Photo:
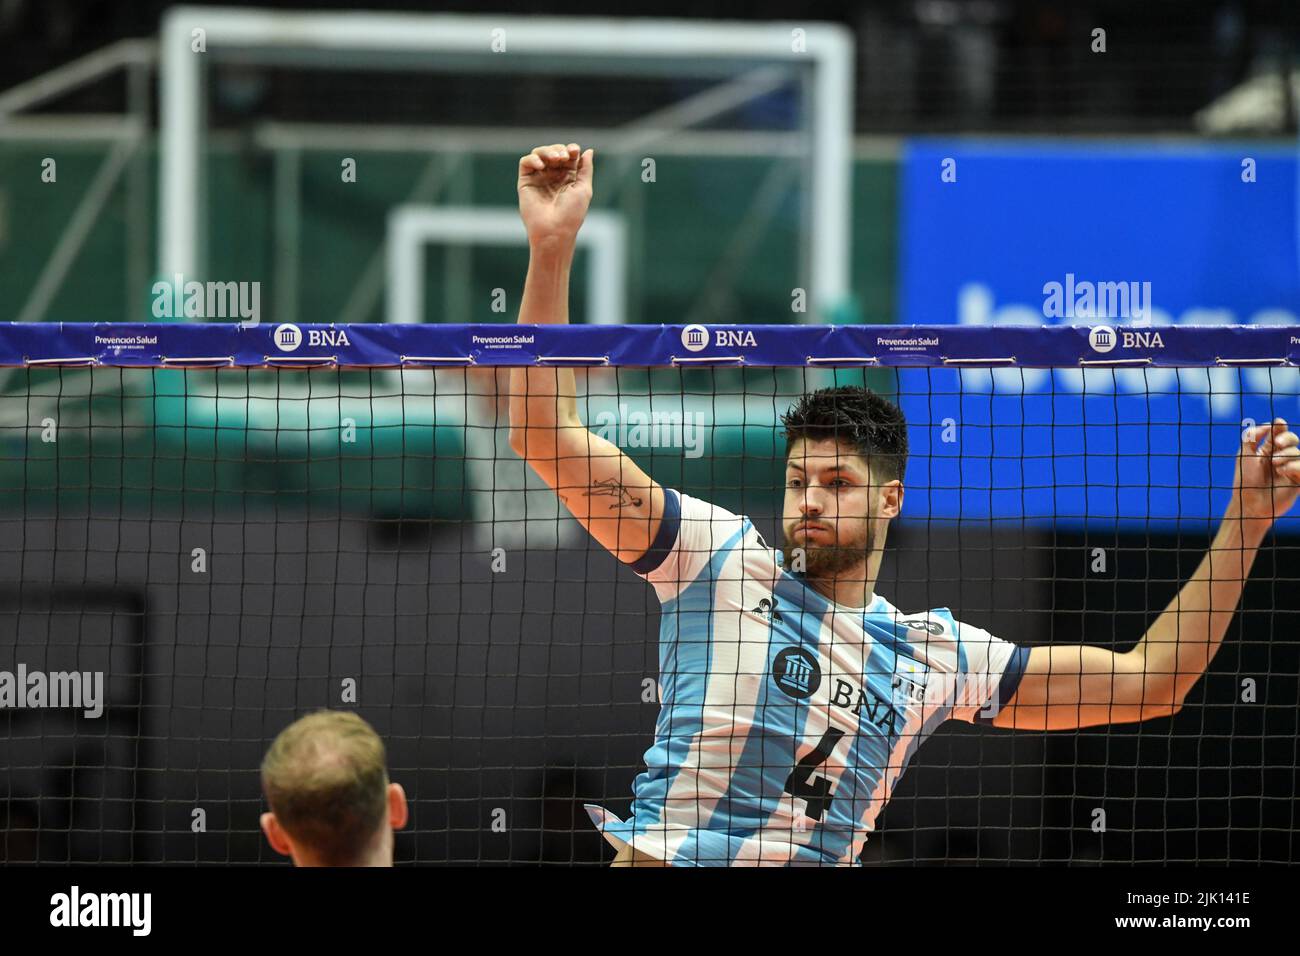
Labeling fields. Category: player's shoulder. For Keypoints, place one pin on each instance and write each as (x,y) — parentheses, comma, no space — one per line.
(711,525)
(695,508)
(945,624)
(935,623)
(699,510)
(968,641)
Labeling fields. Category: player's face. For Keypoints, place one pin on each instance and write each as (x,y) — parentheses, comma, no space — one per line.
(829,507)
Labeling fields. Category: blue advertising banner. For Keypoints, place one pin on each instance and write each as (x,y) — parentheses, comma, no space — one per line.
(1055,424)
(1133,243)
(1019,350)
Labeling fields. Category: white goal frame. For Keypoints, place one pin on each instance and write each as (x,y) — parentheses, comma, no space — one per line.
(413,226)
(664,46)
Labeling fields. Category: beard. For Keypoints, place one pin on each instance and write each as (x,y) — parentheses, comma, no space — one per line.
(832,560)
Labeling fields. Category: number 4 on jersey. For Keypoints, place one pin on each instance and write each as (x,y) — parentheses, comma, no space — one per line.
(804,783)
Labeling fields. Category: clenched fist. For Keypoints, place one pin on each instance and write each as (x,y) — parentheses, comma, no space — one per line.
(555,191)
(1268,475)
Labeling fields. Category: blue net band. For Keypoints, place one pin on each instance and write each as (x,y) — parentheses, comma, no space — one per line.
(395,346)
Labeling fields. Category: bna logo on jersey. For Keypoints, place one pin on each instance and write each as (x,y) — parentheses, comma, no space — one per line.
(287,337)
(931,627)
(796,673)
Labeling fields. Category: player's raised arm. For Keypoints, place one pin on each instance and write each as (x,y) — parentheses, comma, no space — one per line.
(1076,686)
(603,488)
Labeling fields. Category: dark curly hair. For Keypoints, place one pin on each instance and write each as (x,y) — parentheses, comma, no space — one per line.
(873,425)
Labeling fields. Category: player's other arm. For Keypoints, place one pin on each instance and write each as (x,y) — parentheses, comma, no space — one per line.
(1077,686)
(602,487)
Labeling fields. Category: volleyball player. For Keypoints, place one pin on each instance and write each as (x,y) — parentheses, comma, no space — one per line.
(326,781)
(792,694)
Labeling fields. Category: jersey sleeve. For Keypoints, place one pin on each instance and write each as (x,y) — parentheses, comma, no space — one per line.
(989,672)
(691,532)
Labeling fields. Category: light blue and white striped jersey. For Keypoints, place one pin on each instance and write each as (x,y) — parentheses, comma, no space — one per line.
(786,719)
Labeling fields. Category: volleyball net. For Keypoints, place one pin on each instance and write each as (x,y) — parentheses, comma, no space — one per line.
(207,531)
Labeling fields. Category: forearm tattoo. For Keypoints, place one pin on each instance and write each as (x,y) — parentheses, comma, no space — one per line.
(611,488)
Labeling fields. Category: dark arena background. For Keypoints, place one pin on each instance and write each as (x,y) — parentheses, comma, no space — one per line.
(237,537)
